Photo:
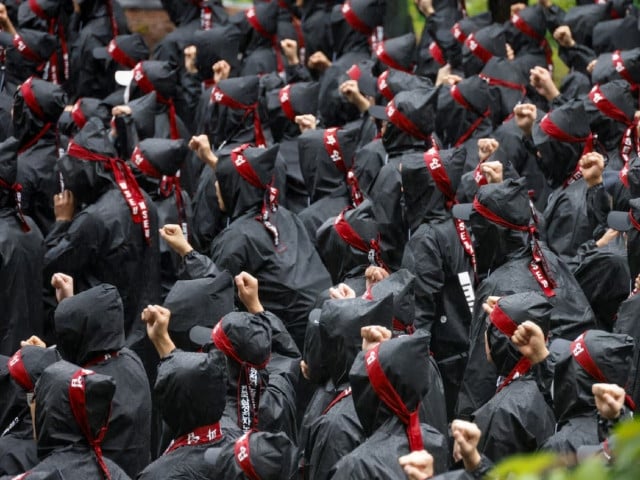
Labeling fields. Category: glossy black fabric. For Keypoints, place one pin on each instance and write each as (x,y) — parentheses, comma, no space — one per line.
(61,443)
(88,326)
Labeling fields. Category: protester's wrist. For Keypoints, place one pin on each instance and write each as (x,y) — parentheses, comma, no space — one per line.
(539,356)
(163,345)
(255,307)
(473,461)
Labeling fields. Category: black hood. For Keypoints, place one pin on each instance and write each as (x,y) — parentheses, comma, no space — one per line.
(321,174)
(558,159)
(27,53)
(84,108)
(157,76)
(334,109)
(392,82)
(181,12)
(414,112)
(607,126)
(87,179)
(400,284)
(202,301)
(518,307)
(260,24)
(28,363)
(405,362)
(272,456)
(424,201)
(238,195)
(534,18)
(221,42)
(288,101)
(90,323)
(346,37)
(507,86)
(190,389)
(8,170)
(456,120)
(155,158)
(582,18)
(12,397)
(341,259)
(467,25)
(494,245)
(611,352)
(617,34)
(340,324)
(56,425)
(247,334)
(482,45)
(607,64)
(125,51)
(398,53)
(46,105)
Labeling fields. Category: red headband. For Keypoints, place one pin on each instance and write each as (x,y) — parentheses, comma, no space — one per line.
(26,90)
(400,120)
(77,115)
(141,79)
(498,220)
(120,55)
(436,53)
(24,49)
(143,164)
(284,95)
(390,397)
(199,436)
(19,373)
(126,182)
(242,455)
(498,82)
(54,60)
(477,49)
(16,188)
(383,86)
(78,404)
(223,343)
(353,20)
(584,359)
(218,96)
(387,59)
(525,28)
(346,232)
(458,33)
(620,67)
(554,131)
(252,18)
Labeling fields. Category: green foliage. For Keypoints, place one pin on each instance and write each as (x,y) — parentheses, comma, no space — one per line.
(548,466)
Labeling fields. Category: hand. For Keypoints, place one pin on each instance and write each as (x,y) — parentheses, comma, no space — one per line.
(540,79)
(121,110)
(304,369)
(341,291)
(352,93)
(525,114)
(221,70)
(318,61)
(306,122)
(34,341)
(290,50)
(609,399)
(64,206)
(516,7)
(592,166)
(510,53)
(466,436)
(173,235)
(190,54)
(425,7)
(374,275)
(247,286)
(443,74)
(530,341)
(202,148)
(157,320)
(5,21)
(372,335)
(492,171)
(453,79)
(490,304)
(63,285)
(636,283)
(563,36)
(486,148)
(607,238)
(417,465)
(591,65)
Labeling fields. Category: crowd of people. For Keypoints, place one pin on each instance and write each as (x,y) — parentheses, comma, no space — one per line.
(303,242)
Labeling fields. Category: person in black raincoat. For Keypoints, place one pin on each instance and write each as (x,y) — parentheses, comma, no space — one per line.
(517,418)
(335,431)
(260,46)
(156,164)
(17,444)
(189,392)
(94,25)
(593,357)
(22,251)
(626,324)
(264,239)
(326,158)
(263,455)
(72,407)
(440,254)
(110,239)
(89,330)
(388,382)
(27,53)
(36,108)
(515,263)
